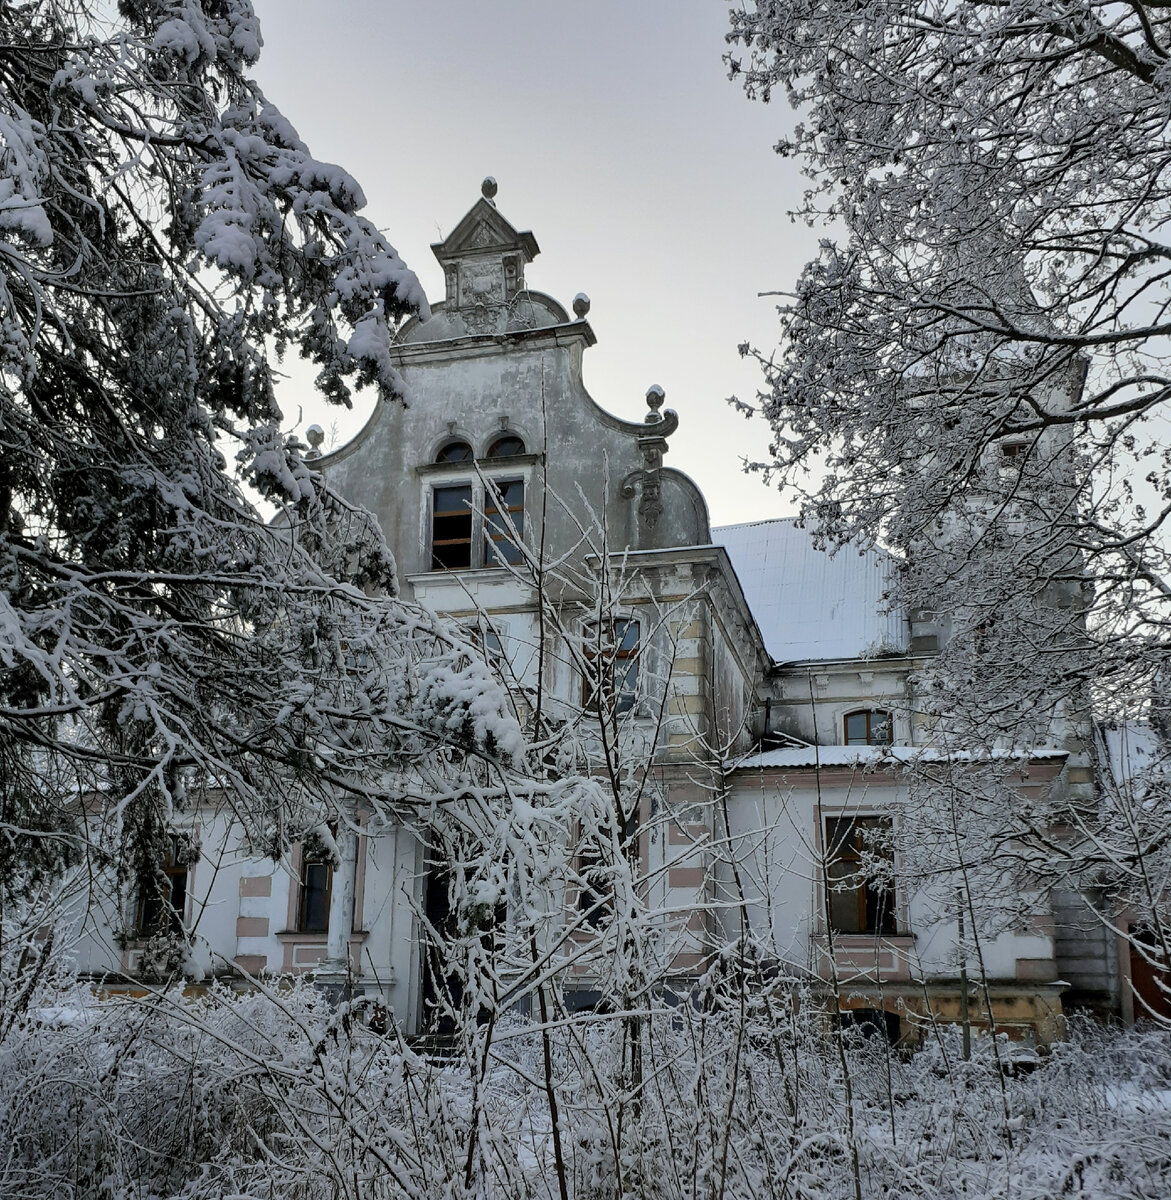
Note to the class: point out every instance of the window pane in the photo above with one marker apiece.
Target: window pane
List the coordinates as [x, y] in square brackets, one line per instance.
[506, 447]
[856, 729]
[315, 880]
[844, 899]
[500, 543]
[626, 635]
[451, 528]
[860, 898]
[594, 897]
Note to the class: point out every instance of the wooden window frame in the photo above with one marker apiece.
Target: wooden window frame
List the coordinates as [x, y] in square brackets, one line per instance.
[882, 715]
[498, 534]
[479, 499]
[875, 903]
[438, 514]
[145, 926]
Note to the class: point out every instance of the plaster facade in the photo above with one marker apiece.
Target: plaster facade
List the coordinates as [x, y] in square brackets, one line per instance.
[742, 832]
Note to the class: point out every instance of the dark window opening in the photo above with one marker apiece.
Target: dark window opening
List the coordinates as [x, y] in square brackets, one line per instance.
[162, 903]
[610, 678]
[504, 503]
[595, 891]
[859, 866]
[451, 528]
[316, 886]
[455, 452]
[1014, 451]
[506, 447]
[871, 1022]
[868, 729]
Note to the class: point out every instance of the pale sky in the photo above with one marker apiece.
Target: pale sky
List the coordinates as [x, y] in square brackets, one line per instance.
[648, 179]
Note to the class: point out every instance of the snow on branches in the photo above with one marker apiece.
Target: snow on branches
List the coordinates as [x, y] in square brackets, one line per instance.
[976, 365]
[162, 230]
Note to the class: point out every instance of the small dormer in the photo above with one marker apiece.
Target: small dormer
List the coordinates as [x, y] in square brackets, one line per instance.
[483, 261]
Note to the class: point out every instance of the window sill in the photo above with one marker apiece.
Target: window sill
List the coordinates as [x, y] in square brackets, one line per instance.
[462, 573]
[851, 941]
[313, 939]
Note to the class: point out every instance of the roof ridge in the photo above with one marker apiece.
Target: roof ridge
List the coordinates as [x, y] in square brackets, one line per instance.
[761, 521]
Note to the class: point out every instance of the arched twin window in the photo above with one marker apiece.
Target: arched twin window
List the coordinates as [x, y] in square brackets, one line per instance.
[478, 523]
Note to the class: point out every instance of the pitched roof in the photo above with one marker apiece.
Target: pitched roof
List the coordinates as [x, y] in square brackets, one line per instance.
[808, 603]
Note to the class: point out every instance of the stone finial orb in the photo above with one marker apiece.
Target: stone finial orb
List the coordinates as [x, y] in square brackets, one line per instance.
[655, 397]
[581, 306]
[488, 189]
[315, 435]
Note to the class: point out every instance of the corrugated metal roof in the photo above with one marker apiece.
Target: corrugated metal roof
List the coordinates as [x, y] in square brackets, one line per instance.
[868, 757]
[808, 603]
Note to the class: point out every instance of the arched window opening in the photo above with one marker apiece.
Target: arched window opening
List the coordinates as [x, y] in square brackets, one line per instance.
[455, 452]
[868, 728]
[508, 446]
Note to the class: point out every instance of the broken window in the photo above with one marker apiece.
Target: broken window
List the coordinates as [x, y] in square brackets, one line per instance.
[859, 870]
[504, 520]
[451, 528]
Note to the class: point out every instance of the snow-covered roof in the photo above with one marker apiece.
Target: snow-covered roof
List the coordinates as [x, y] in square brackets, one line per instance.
[867, 757]
[808, 603]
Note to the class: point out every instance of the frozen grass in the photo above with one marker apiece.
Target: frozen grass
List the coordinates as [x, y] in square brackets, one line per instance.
[281, 1096]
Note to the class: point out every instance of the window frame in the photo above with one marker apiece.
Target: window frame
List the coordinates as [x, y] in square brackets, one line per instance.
[613, 652]
[876, 905]
[595, 890]
[871, 725]
[441, 461]
[308, 861]
[448, 514]
[499, 439]
[171, 917]
[493, 493]
[481, 491]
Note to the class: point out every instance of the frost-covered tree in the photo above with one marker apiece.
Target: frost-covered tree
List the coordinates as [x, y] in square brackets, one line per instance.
[976, 367]
[164, 237]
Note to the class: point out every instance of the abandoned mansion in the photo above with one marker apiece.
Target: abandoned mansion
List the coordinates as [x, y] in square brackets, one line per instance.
[766, 687]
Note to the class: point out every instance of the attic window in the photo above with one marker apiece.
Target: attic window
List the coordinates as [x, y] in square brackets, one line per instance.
[455, 452]
[508, 446]
[869, 728]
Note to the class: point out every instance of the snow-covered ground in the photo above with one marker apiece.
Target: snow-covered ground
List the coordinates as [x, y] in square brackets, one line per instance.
[280, 1096]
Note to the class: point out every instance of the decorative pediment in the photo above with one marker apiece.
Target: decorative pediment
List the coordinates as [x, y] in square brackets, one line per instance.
[484, 229]
[483, 260]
